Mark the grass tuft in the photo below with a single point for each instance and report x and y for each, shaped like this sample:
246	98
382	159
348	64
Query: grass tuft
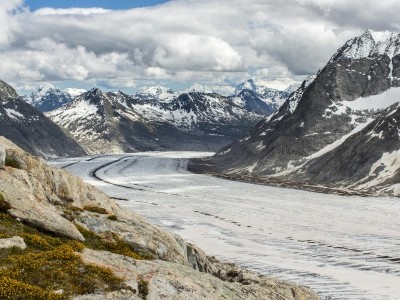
12	162
143	286
4	205
95	209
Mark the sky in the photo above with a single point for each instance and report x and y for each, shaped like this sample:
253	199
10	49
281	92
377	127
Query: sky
108	4
126	45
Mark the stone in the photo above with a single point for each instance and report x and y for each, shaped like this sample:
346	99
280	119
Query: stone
15	241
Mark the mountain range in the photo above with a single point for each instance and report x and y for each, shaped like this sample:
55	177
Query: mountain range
339	130
115	122
157	118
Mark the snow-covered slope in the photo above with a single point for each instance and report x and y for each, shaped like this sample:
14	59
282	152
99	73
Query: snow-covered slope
323	134
30	129
115	122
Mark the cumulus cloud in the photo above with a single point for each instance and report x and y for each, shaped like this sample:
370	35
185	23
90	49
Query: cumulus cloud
214	43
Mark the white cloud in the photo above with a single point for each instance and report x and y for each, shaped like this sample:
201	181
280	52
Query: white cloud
47	11
210	42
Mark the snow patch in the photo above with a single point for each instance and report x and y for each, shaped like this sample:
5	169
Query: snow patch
383	169
13	114
375	102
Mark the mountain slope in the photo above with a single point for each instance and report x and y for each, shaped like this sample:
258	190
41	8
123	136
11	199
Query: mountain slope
30	129
115	122
306	140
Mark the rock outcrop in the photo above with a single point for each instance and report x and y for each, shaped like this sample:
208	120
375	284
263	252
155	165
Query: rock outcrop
12	242
165	280
55	201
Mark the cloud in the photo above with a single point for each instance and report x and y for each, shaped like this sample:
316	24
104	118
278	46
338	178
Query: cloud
210	42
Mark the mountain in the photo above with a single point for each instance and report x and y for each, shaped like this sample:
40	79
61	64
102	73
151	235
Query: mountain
32	130
48	98
338	130
115	122
256	96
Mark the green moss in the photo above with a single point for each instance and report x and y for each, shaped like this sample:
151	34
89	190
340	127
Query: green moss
112	218
4	205
143	286
110	242
49	263
95	209
71	212
12	162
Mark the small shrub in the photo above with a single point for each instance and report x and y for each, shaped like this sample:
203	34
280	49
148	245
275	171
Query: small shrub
12	162
143	286
71	212
4	205
95	209
49	263
59	268
14	289
112	218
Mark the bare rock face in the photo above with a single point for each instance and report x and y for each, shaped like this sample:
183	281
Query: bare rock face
164	280
15	241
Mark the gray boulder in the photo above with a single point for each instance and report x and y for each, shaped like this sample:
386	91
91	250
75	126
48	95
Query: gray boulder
12	242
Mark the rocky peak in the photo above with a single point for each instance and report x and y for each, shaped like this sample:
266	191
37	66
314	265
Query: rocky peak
247	85
369	44
7	92
48	98
94	96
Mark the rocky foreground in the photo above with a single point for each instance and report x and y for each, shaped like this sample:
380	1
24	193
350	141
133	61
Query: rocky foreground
77	223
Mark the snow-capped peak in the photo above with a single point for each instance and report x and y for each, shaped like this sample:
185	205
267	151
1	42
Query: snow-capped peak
157	92
198	88
247	85
75	92
370	43
44	88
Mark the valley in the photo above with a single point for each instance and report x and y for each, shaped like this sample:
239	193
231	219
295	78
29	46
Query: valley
342	247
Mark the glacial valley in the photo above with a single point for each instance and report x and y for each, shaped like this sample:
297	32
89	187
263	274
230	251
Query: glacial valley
343	247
